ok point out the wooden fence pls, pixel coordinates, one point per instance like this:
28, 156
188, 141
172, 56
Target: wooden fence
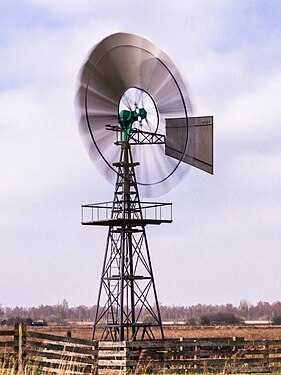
21, 348
47, 352
204, 355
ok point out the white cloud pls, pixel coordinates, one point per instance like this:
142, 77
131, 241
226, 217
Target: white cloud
46, 173
257, 171
255, 116
66, 7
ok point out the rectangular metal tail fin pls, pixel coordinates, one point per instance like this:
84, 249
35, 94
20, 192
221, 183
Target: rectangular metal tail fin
199, 150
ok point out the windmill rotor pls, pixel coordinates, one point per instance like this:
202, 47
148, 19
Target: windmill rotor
127, 72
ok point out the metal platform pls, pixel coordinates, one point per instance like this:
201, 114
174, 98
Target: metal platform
150, 213
121, 222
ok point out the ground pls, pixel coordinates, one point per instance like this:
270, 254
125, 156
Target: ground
256, 332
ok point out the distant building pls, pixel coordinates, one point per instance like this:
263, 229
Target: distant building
39, 323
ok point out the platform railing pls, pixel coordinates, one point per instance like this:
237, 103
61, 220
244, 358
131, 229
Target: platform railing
103, 211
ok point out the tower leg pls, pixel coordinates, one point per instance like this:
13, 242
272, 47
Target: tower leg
127, 306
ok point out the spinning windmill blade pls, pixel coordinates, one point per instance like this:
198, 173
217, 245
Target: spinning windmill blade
127, 72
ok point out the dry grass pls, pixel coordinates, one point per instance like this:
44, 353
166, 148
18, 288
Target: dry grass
63, 368
248, 332
84, 331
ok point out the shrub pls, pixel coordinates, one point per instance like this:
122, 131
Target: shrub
192, 321
276, 320
220, 318
205, 320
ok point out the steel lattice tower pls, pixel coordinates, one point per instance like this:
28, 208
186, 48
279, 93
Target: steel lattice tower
127, 306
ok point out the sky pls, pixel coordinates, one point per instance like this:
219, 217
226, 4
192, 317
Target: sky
224, 244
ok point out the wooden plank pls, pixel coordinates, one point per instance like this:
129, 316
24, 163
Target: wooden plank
214, 361
260, 351
45, 336
107, 371
203, 353
111, 362
110, 353
112, 344
60, 356
273, 360
7, 332
234, 339
261, 342
60, 347
145, 344
203, 344
69, 368
195, 348
199, 354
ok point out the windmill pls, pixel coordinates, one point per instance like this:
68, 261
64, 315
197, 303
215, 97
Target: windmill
134, 118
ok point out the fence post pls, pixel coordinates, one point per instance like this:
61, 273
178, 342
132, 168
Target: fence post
266, 353
181, 348
234, 351
19, 344
195, 354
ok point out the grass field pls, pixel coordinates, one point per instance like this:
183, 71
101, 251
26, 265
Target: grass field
84, 331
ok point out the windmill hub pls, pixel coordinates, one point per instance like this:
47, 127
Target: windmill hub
127, 118
138, 108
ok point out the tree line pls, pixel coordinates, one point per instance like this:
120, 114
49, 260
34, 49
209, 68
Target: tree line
196, 314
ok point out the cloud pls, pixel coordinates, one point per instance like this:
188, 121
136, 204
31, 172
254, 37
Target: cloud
229, 52
66, 8
257, 171
253, 116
